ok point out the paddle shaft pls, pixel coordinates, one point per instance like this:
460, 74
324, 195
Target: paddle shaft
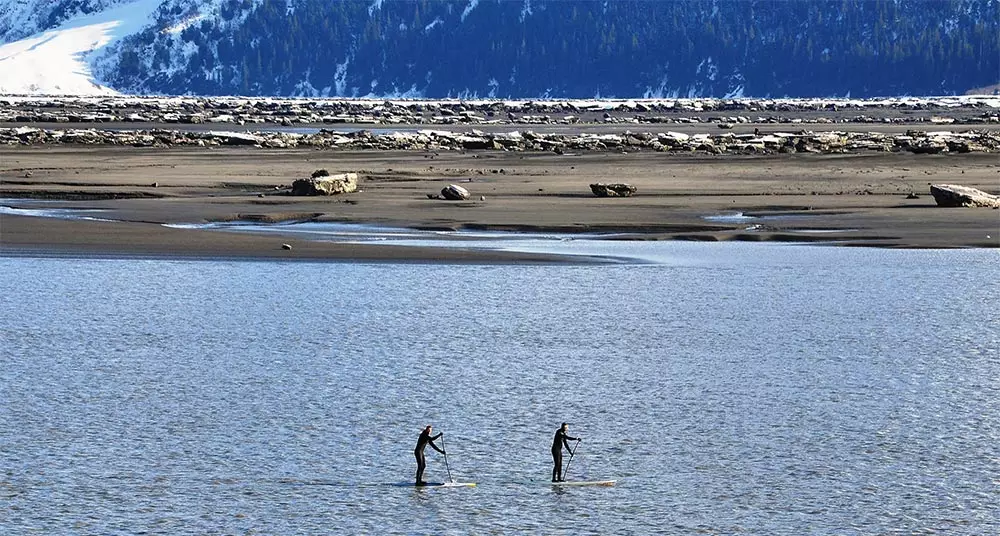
445, 449
571, 454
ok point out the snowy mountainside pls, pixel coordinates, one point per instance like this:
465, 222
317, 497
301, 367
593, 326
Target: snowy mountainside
56, 47
56, 59
22, 18
521, 48
176, 21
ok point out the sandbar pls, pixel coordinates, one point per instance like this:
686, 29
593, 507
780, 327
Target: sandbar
866, 199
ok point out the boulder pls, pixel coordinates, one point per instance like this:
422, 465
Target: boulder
612, 190
234, 138
343, 183
454, 192
474, 143
928, 147
953, 195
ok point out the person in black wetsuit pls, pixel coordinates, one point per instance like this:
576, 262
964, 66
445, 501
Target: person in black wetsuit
562, 439
425, 439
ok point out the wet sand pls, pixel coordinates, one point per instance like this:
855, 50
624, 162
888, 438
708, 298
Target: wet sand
854, 199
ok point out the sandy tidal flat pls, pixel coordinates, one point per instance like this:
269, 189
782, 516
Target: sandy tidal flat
878, 199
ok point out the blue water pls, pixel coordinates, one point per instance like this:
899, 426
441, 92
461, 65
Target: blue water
730, 388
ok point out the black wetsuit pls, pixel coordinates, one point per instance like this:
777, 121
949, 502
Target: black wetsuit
418, 451
558, 442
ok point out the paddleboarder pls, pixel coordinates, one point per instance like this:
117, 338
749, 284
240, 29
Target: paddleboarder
425, 439
561, 440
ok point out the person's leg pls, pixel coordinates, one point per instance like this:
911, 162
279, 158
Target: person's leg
556, 465
421, 465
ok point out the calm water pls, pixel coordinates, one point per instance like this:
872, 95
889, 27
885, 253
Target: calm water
731, 388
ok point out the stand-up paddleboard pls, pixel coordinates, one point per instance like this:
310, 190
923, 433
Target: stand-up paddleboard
585, 483
437, 485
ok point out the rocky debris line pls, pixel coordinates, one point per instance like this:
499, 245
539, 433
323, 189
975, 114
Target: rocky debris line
291, 112
914, 141
953, 195
612, 190
322, 183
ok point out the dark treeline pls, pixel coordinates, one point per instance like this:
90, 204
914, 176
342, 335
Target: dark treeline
569, 48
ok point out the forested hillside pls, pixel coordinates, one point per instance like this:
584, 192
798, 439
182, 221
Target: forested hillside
569, 48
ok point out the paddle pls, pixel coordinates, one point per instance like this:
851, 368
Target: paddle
571, 454
445, 449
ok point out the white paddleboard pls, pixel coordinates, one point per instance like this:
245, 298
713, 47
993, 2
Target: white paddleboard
438, 485
586, 483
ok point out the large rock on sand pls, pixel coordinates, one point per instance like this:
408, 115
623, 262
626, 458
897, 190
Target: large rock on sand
454, 192
953, 195
612, 190
343, 183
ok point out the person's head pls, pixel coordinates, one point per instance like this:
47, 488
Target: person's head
564, 426
428, 429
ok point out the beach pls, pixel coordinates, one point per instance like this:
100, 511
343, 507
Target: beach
878, 199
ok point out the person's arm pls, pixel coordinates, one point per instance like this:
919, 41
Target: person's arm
435, 447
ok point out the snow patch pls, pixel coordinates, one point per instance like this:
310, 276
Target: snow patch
340, 76
468, 9
662, 91
409, 95
735, 93
182, 25
437, 21
708, 68
306, 89
526, 10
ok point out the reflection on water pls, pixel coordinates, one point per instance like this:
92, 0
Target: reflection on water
732, 389
735, 217
589, 245
44, 209
767, 222
576, 244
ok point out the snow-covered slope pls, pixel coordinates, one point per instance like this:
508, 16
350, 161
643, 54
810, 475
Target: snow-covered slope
23, 18
56, 61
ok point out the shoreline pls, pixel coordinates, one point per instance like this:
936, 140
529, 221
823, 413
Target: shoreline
60, 238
